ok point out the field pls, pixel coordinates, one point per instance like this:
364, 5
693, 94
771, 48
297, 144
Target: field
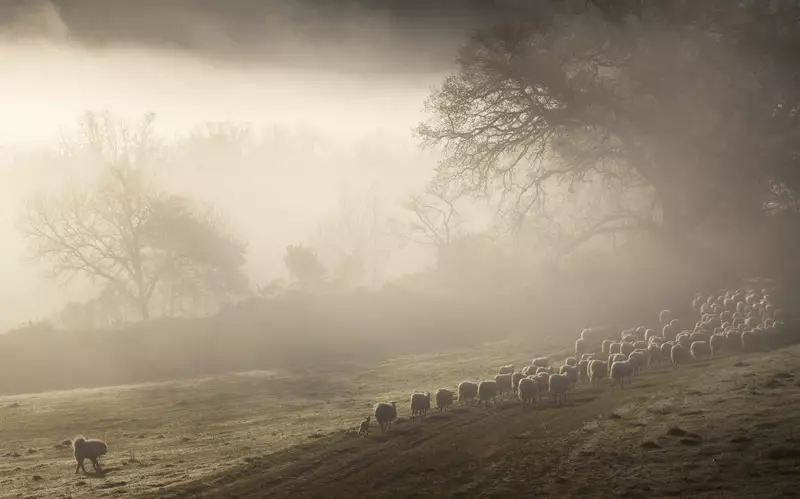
730, 428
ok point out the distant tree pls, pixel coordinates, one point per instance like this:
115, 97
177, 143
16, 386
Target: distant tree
304, 266
125, 233
434, 216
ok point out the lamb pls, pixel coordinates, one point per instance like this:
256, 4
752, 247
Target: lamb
558, 386
677, 354
700, 349
619, 370
505, 383
420, 404
88, 448
385, 414
597, 371
444, 399
528, 389
509, 369
363, 428
467, 392
487, 390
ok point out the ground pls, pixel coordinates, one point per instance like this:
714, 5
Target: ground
727, 428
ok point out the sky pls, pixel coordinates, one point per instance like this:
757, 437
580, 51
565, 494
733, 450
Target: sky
353, 72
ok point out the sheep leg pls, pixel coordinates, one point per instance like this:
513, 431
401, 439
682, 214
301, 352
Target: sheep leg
77, 468
96, 464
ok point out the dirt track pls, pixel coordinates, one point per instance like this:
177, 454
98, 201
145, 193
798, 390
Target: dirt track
724, 430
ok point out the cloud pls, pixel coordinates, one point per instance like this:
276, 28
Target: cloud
384, 35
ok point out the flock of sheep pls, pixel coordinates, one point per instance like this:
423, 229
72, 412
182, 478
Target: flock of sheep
734, 321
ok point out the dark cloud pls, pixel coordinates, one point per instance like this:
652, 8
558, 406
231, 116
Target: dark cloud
386, 35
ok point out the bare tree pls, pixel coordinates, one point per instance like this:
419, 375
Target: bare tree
118, 233
435, 217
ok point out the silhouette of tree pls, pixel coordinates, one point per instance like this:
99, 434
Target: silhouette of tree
304, 265
125, 232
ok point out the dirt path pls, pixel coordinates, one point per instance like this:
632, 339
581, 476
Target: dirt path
731, 429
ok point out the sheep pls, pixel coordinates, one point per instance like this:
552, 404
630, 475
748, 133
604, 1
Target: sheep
677, 354
505, 383
541, 362
508, 369
444, 399
420, 404
588, 356
605, 346
717, 344
385, 414
88, 448
638, 360
619, 370
597, 371
583, 370
700, 349
654, 352
626, 349
515, 379
558, 386
540, 370
571, 361
487, 389
528, 389
467, 392
648, 334
749, 341
542, 383
363, 428
615, 347
528, 370
572, 374
665, 316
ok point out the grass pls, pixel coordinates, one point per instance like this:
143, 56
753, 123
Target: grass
728, 429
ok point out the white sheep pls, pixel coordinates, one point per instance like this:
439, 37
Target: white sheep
580, 346
597, 371
527, 392
717, 342
543, 384
558, 386
638, 360
385, 414
88, 448
571, 361
467, 392
487, 389
444, 399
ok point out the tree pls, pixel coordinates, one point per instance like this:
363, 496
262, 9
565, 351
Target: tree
689, 108
125, 232
435, 217
304, 265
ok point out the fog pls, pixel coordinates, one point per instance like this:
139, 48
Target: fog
243, 65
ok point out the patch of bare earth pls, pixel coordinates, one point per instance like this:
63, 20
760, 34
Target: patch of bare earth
730, 428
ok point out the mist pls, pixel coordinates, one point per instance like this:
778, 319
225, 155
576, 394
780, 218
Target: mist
358, 100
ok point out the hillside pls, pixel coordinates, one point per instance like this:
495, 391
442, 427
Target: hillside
717, 429
722, 430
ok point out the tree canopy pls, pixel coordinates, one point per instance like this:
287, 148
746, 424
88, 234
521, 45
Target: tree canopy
689, 112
